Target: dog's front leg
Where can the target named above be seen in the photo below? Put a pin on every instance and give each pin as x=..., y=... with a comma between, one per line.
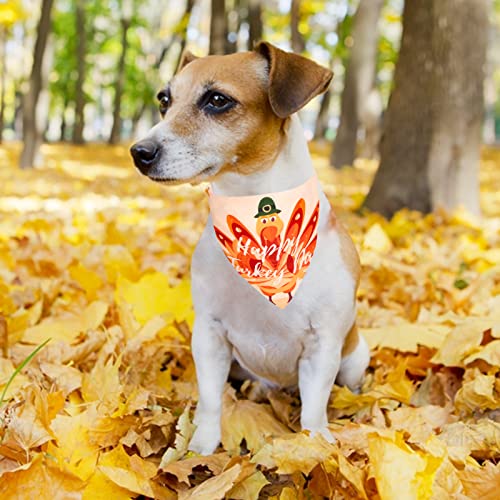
x=318, y=368
x=212, y=357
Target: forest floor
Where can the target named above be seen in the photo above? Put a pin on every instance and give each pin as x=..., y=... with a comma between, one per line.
x=96, y=259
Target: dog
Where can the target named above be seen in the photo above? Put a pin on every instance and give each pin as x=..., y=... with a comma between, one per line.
x=231, y=120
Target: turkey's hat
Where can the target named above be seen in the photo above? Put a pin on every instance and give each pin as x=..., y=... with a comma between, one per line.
x=267, y=207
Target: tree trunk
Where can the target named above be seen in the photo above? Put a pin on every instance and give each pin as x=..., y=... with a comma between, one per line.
x=371, y=122
x=32, y=129
x=321, y=125
x=254, y=22
x=358, y=81
x=80, y=57
x=64, y=125
x=432, y=128
x=3, y=41
x=115, y=135
x=218, y=27
x=297, y=40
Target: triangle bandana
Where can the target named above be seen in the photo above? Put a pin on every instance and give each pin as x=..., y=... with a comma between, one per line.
x=269, y=239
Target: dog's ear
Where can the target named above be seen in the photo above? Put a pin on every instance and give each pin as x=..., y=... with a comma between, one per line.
x=293, y=80
x=186, y=58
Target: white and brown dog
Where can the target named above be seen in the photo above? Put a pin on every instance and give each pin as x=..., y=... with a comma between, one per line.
x=231, y=120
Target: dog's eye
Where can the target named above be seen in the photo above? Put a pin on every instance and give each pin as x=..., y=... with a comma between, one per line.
x=165, y=100
x=273, y=219
x=216, y=102
x=264, y=221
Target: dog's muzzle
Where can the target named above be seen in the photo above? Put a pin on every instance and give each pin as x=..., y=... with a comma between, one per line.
x=146, y=155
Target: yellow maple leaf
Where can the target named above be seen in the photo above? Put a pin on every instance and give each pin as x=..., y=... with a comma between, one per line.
x=401, y=473
x=7, y=368
x=481, y=439
x=419, y=422
x=295, y=453
x=42, y=480
x=249, y=488
x=463, y=343
x=376, y=239
x=489, y=353
x=22, y=319
x=185, y=430
x=67, y=328
x=102, y=384
x=182, y=469
x=353, y=474
x=406, y=337
x=129, y=472
x=118, y=261
x=152, y=295
x=87, y=279
x=214, y=488
x=395, y=387
x=481, y=482
x=477, y=392
x=99, y=487
x=249, y=421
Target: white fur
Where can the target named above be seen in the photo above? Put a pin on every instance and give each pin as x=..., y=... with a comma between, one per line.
x=182, y=161
x=300, y=344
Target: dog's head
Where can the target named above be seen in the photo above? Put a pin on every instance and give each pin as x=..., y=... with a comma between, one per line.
x=228, y=112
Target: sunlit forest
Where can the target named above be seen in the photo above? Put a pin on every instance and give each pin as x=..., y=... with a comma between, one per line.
x=97, y=380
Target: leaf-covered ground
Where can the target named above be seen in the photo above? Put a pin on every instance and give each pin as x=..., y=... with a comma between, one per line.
x=97, y=259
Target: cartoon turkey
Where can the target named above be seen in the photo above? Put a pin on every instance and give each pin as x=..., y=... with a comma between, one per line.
x=269, y=226
x=276, y=270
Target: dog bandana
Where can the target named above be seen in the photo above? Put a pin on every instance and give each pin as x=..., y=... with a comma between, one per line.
x=269, y=239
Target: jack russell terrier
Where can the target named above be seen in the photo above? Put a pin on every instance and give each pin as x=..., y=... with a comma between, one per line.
x=274, y=275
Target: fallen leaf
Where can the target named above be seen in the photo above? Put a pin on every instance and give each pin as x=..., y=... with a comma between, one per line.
x=152, y=295
x=405, y=337
x=481, y=482
x=129, y=472
x=68, y=328
x=66, y=378
x=87, y=279
x=249, y=488
x=295, y=452
x=74, y=451
x=214, y=488
x=99, y=487
x=461, y=342
x=42, y=480
x=185, y=430
x=183, y=468
x=477, y=392
x=400, y=472
x=249, y=421
x=376, y=239
x=482, y=440
x=420, y=423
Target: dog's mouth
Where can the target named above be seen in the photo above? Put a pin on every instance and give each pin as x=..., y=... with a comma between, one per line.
x=203, y=175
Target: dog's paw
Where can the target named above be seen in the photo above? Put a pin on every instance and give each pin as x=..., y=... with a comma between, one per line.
x=205, y=440
x=325, y=432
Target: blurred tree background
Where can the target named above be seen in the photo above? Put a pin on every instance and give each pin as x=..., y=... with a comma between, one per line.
x=87, y=71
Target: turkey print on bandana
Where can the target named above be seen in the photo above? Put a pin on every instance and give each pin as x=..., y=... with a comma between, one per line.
x=269, y=239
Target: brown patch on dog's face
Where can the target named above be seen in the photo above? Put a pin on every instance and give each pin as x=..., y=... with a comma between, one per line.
x=217, y=117
x=227, y=113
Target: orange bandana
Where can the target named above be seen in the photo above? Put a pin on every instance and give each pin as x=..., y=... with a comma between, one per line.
x=269, y=239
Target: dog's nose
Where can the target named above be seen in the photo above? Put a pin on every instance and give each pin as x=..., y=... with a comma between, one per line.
x=145, y=155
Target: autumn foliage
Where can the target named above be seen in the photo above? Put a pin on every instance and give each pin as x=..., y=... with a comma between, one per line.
x=97, y=260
